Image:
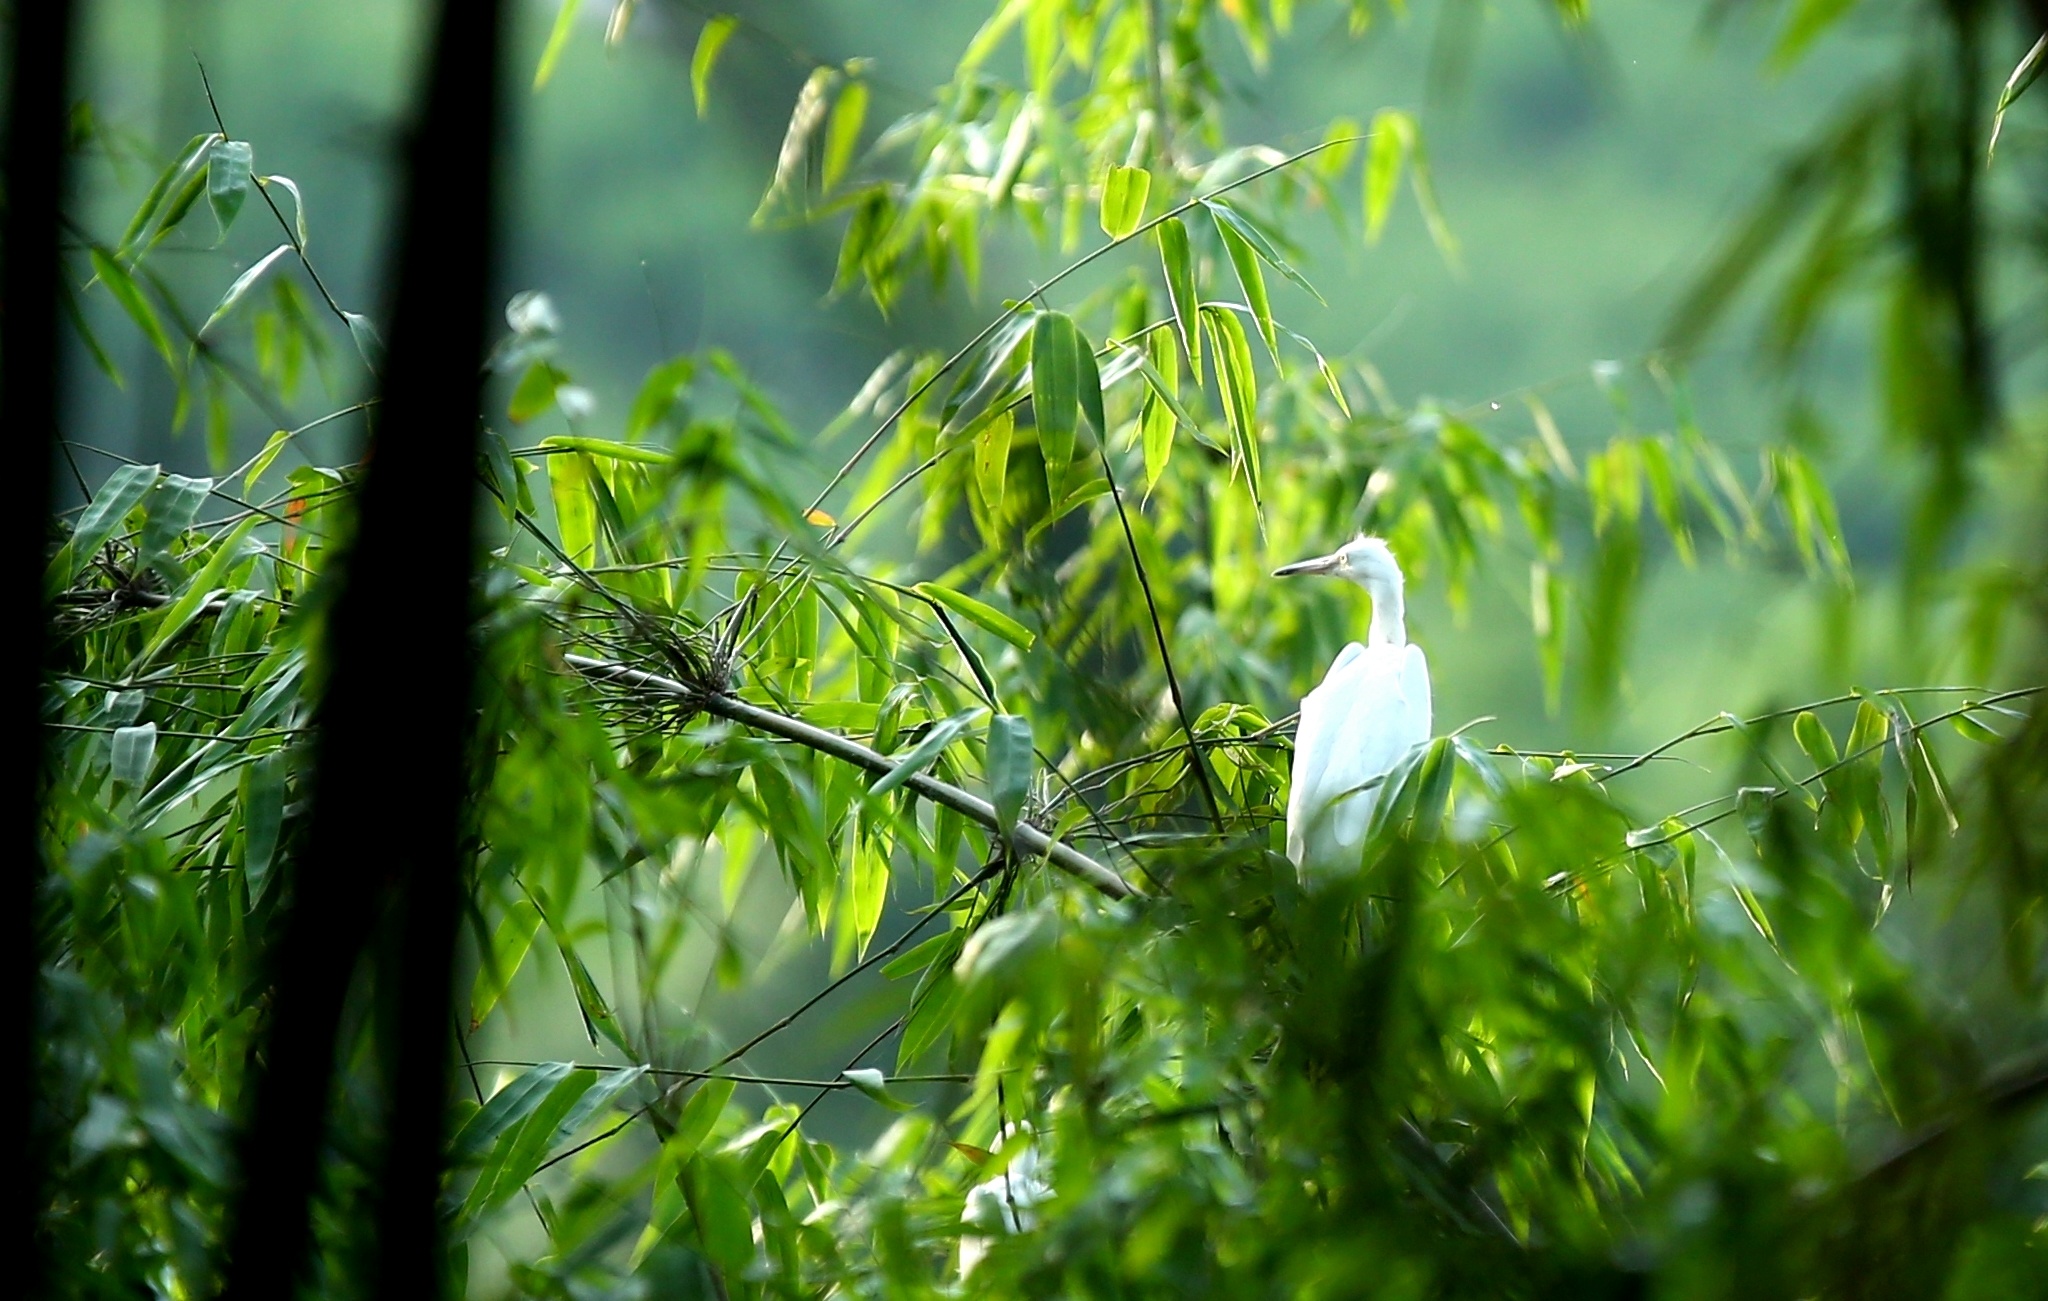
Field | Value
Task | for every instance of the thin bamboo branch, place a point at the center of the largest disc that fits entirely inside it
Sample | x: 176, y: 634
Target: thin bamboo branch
x: 1024, y: 838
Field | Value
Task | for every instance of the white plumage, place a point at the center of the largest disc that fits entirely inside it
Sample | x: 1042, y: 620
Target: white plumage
x: 1371, y: 709
x: 1006, y: 1203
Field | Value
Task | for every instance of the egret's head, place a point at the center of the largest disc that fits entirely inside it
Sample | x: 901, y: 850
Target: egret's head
x: 1365, y: 561
x: 1370, y: 564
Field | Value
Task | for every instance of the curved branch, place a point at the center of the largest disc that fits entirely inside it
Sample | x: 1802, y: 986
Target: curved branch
x: 1024, y: 838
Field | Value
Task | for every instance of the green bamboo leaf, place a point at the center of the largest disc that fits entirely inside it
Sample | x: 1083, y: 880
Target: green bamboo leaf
x: 1665, y: 496
x: 1225, y: 215
x: 925, y: 752
x: 597, y: 1014
x: 1088, y: 381
x: 1179, y: 264
x: 631, y: 453
x: 120, y: 494
x: 243, y: 283
x: 1009, y: 767
x: 1393, y: 136
x: 298, y: 205
x: 700, y: 1115
x: 1975, y: 730
x: 1124, y: 192
x: 842, y: 130
x: 985, y: 617
x: 180, y: 613
x: 1813, y: 738
x: 595, y: 1099
x: 369, y: 345
x: 262, y: 792
x: 183, y: 200
x: 519, y: 1152
x: 186, y: 163
x: 170, y: 513
x: 535, y: 393
x: 1162, y: 408
x: 129, y: 295
x: 717, y: 31
x: 992, y: 458
x: 1055, y: 390
x: 575, y: 508
x: 510, y: 943
x: 922, y: 955
x: 1253, y: 281
x: 1235, y: 376
x: 228, y: 166
x: 558, y: 41
x: 506, y: 1108
x: 134, y: 754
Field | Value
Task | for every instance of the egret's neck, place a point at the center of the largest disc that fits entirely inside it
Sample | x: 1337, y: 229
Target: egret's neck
x: 1389, y: 610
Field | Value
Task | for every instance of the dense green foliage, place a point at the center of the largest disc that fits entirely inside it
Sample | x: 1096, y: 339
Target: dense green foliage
x: 1545, y: 1041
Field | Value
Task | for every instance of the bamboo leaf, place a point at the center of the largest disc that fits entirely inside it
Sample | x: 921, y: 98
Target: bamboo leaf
x: 1393, y: 135
x: 505, y: 1109
x: 186, y: 164
x: 558, y: 41
x: 120, y: 494
x: 985, y: 617
x: 925, y: 752
x: 1253, y: 280
x: 1010, y: 764
x: 129, y: 295
x: 1252, y: 235
x: 134, y: 754
x: 992, y: 458
x: 2024, y: 74
x: 1088, y: 383
x: 228, y: 166
x: 842, y: 130
x: 1240, y: 392
x: 243, y: 283
x: 717, y: 31
x: 1124, y: 192
x: 1179, y: 264
x: 631, y: 453
x: 1055, y: 390
x: 181, y: 612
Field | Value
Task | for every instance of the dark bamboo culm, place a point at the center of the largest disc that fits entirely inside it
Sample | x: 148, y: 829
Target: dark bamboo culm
x: 381, y: 846
x: 35, y: 187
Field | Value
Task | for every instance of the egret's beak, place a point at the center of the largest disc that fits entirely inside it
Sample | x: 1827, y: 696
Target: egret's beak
x: 1320, y: 565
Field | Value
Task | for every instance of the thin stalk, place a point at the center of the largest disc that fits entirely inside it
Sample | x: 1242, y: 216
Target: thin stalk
x: 1180, y: 704
x: 1024, y: 838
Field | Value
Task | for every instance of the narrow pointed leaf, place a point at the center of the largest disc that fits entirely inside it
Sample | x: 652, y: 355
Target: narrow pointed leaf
x: 1055, y: 390
x: 717, y: 31
x: 1010, y: 763
x: 1179, y: 264
x: 129, y: 295
x: 1246, y: 262
x: 558, y: 41
x: 1124, y: 192
x: 985, y: 617
x: 227, y: 180
x: 925, y: 752
x: 992, y: 458
x: 243, y: 283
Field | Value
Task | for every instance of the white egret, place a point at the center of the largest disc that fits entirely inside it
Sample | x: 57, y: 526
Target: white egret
x: 1370, y: 711
x: 1005, y: 1203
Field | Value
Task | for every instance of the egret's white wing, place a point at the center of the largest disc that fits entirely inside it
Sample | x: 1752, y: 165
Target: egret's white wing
x: 1371, y: 709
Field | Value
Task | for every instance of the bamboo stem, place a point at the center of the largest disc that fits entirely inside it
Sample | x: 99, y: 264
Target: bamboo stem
x: 1024, y: 838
